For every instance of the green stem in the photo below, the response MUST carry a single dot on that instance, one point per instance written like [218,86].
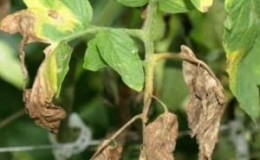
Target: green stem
[149,51]
[95,29]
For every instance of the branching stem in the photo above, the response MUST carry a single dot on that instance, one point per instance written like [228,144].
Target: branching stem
[118,132]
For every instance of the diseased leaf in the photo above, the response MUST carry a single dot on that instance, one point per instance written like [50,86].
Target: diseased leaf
[24,22]
[110,153]
[242,46]
[47,83]
[133,3]
[175,6]
[4,8]
[206,103]
[10,69]
[160,138]
[202,5]
[92,59]
[118,50]
[49,21]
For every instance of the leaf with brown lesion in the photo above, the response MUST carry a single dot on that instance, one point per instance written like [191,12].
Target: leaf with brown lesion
[206,102]
[21,22]
[110,153]
[39,99]
[160,138]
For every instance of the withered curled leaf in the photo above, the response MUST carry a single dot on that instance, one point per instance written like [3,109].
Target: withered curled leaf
[160,138]
[206,102]
[110,153]
[23,22]
[38,100]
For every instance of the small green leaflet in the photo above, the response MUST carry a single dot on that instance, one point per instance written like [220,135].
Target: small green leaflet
[175,6]
[10,68]
[92,59]
[242,46]
[117,50]
[133,3]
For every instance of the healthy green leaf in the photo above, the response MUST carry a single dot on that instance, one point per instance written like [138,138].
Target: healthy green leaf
[119,51]
[202,5]
[10,69]
[175,6]
[133,3]
[92,59]
[242,45]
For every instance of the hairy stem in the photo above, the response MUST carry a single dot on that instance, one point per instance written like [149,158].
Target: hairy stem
[95,29]
[149,51]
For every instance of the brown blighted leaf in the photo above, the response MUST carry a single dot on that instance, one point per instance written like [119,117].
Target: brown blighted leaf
[4,8]
[23,22]
[160,138]
[206,102]
[110,153]
[38,100]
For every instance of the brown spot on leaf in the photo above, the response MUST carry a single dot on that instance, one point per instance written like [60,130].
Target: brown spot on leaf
[4,8]
[160,138]
[53,14]
[23,22]
[110,153]
[206,103]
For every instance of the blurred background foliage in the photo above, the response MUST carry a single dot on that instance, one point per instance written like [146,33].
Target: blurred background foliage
[105,103]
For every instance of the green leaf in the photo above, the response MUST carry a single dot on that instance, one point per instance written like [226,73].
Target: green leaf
[133,3]
[119,51]
[63,54]
[175,6]
[92,59]
[57,19]
[242,45]
[54,68]
[202,5]
[10,68]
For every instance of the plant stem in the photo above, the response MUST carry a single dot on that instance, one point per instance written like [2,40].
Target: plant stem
[95,29]
[118,132]
[149,51]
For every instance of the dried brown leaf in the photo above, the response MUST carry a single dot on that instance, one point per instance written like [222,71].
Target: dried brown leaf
[206,102]
[23,22]
[39,103]
[160,138]
[4,8]
[110,153]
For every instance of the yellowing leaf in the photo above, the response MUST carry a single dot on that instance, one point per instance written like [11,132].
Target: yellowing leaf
[242,46]
[49,21]
[47,83]
[202,5]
